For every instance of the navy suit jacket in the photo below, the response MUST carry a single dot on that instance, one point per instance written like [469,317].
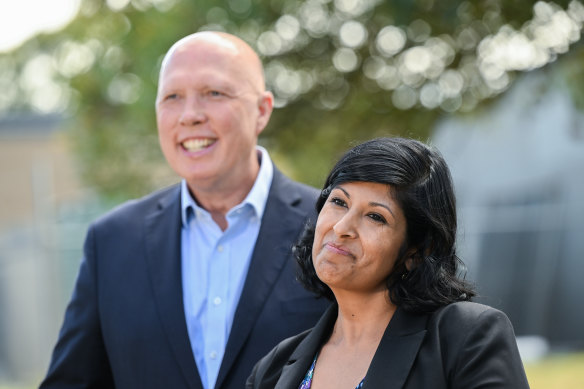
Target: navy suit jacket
[125,325]
[460,346]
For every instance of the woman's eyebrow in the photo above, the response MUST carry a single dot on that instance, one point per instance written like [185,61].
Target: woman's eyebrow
[344,191]
[374,204]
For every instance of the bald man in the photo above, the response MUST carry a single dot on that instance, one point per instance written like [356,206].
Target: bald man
[190,286]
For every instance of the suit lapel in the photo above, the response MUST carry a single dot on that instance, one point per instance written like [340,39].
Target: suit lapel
[280,219]
[397,351]
[297,366]
[391,363]
[163,260]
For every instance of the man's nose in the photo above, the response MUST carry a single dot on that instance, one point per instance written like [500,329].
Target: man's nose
[193,112]
[346,226]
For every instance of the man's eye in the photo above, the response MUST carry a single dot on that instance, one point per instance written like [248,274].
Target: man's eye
[215,93]
[171,96]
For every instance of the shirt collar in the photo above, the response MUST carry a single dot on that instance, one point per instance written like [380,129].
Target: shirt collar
[256,198]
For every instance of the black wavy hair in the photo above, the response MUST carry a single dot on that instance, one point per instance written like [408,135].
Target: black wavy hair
[421,184]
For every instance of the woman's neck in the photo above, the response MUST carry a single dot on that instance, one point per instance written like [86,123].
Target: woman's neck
[362,318]
[344,359]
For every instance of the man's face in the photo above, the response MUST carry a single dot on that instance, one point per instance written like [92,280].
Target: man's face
[209,115]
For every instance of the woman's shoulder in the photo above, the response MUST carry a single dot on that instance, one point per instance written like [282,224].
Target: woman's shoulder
[267,370]
[287,346]
[467,321]
[466,311]
[472,339]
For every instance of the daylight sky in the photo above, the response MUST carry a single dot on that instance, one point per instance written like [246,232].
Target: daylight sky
[22,19]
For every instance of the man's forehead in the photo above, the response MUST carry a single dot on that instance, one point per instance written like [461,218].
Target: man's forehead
[212,43]
[206,39]
[203,77]
[227,55]
[225,76]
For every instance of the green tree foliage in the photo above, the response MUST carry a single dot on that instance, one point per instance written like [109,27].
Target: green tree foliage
[341,70]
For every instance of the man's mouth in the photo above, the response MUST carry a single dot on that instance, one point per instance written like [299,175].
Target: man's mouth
[193,145]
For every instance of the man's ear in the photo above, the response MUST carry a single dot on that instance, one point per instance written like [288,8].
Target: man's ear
[265,107]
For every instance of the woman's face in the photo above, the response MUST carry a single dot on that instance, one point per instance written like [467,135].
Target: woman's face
[358,235]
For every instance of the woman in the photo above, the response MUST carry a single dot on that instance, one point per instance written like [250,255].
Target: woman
[383,250]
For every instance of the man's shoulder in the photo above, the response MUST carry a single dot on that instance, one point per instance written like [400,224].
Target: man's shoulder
[128,211]
[297,192]
[306,190]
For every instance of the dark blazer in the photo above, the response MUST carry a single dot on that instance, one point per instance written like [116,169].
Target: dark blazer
[125,325]
[460,346]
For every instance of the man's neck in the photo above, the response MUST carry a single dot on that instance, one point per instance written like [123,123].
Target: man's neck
[220,198]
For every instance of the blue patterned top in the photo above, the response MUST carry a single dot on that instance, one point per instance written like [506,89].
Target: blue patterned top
[307,381]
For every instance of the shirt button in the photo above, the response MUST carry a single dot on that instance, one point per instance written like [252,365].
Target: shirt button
[217,300]
[220,249]
[213,354]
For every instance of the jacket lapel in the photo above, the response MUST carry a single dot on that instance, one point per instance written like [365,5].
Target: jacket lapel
[391,363]
[297,366]
[164,266]
[397,351]
[280,220]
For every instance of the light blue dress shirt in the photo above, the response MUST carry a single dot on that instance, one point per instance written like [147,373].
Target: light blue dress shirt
[214,267]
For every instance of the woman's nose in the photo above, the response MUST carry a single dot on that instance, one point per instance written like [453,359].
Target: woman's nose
[345,226]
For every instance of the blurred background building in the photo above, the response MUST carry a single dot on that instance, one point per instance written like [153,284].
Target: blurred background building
[495,85]
[518,170]
[43,214]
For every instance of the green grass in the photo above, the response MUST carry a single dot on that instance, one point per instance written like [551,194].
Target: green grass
[557,372]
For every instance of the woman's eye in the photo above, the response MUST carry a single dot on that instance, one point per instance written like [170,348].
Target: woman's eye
[215,93]
[338,201]
[171,96]
[377,217]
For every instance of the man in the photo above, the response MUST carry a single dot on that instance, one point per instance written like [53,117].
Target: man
[190,286]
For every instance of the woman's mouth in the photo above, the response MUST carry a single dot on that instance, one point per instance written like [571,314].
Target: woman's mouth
[338,249]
